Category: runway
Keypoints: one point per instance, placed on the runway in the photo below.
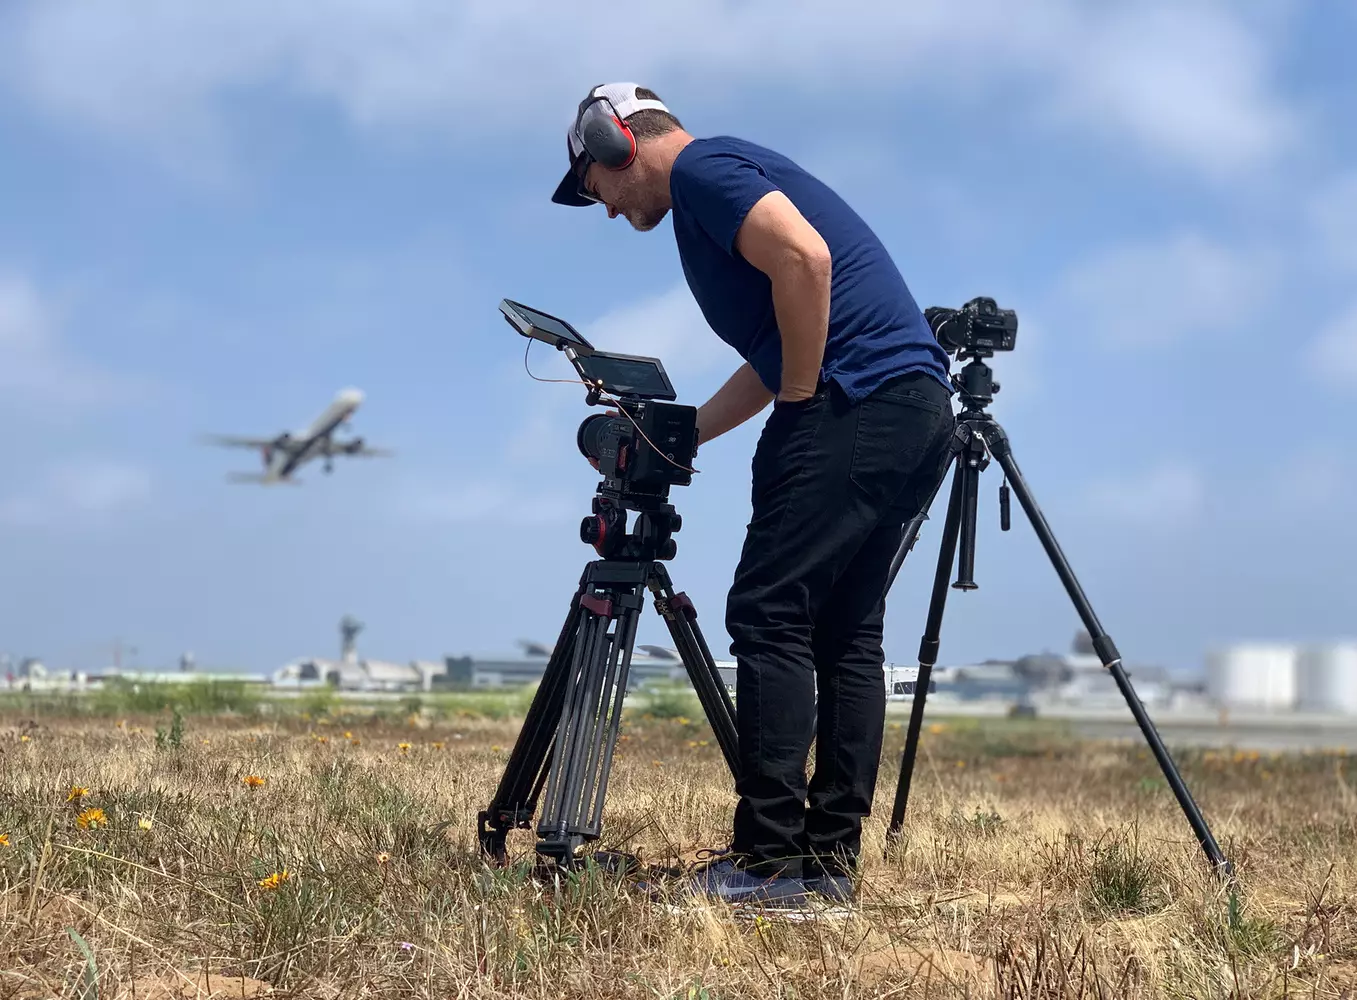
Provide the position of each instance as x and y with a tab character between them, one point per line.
1263	731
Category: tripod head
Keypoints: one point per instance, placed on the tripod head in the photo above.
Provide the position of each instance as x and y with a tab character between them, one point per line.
975	382
650	537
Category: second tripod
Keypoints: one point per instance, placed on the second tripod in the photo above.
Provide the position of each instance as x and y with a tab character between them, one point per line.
975	430
564	752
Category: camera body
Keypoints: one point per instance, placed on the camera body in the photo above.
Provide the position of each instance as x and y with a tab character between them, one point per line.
978	329
644	458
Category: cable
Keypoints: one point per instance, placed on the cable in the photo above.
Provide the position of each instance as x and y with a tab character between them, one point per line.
605	394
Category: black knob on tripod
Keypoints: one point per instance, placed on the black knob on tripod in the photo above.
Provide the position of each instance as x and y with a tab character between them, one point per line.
591	529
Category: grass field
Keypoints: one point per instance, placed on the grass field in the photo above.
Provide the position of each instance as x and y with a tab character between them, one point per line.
323	851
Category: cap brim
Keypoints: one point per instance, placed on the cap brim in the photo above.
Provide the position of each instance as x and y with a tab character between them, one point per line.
568	192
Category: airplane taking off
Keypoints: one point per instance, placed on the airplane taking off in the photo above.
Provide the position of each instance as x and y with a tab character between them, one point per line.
289	451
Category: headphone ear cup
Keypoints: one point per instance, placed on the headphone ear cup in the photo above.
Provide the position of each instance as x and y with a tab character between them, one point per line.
606	137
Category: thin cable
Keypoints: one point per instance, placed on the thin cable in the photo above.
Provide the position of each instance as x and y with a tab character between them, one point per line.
605	394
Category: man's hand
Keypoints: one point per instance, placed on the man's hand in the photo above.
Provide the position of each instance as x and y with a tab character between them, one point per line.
777	239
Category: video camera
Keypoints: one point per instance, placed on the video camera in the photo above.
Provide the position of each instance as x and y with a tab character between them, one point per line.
977	329
650	445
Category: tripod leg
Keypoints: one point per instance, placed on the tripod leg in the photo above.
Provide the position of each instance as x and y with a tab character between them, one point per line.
928	646
681	616
1105	648
515	799
910	534
591	708
584	684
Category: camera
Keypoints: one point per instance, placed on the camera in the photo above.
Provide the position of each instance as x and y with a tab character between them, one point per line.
650	445
978	329
647	452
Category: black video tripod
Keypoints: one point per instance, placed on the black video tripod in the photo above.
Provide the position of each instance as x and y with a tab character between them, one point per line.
975	429
570	731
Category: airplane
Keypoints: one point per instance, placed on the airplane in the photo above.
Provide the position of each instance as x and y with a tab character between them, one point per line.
289	451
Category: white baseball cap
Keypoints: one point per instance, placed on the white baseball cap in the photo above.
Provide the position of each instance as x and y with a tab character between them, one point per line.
617	100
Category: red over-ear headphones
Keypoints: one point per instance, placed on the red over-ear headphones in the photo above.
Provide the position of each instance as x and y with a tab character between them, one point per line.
604	136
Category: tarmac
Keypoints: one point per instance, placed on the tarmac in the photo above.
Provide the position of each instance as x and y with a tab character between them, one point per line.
1197	727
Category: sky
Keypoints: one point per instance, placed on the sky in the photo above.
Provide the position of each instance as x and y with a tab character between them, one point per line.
215	216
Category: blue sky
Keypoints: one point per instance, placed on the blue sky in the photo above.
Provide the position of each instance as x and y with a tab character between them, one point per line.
214	216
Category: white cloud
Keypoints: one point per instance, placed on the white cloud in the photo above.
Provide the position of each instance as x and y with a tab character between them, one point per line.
1186	81
37	372
1154	293
1333	354
1168	494
78	490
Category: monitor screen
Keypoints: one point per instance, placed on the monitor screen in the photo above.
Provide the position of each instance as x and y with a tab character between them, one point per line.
556	329
628	376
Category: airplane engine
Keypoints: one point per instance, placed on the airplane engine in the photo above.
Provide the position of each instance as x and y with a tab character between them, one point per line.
356	445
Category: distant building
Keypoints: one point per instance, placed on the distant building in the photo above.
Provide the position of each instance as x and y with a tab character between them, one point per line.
358	674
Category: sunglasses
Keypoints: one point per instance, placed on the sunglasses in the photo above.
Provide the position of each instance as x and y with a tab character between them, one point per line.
581	168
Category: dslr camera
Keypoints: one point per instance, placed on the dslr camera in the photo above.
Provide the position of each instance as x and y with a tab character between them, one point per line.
641	452
977	330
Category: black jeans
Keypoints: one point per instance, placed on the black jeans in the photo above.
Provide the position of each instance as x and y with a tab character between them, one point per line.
833	484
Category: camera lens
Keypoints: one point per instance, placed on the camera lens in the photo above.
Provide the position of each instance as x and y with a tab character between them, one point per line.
591	435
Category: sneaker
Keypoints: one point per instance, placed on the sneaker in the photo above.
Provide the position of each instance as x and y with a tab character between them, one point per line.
726	883
836	888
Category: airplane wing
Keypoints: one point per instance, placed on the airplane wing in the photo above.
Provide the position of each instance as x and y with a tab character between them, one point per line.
359	448
230	441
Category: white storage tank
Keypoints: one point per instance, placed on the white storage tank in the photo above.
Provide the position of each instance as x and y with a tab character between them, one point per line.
1253	675
1326	678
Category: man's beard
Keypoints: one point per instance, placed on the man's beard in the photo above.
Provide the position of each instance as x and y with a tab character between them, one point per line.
644	222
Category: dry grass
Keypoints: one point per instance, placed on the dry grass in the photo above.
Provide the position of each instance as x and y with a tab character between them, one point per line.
1033	866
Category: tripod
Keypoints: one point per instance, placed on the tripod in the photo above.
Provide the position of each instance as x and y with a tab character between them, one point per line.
570	731
975	429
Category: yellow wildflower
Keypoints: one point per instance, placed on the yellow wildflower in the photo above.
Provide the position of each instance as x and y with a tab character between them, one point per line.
77	792
144	823
4	840
91	818
275	880
404	747
252	781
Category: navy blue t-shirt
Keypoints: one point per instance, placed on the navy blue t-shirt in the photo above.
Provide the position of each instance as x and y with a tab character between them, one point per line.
876	329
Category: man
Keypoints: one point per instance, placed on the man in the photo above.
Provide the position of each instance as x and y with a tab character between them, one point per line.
857	440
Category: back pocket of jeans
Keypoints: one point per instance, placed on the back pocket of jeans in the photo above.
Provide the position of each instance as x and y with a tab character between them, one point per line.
895	432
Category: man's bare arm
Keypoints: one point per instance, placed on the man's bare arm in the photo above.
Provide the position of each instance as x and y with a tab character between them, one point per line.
777	239
740	398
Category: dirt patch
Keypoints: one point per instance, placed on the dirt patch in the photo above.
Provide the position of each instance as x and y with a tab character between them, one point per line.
192	986
904	964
